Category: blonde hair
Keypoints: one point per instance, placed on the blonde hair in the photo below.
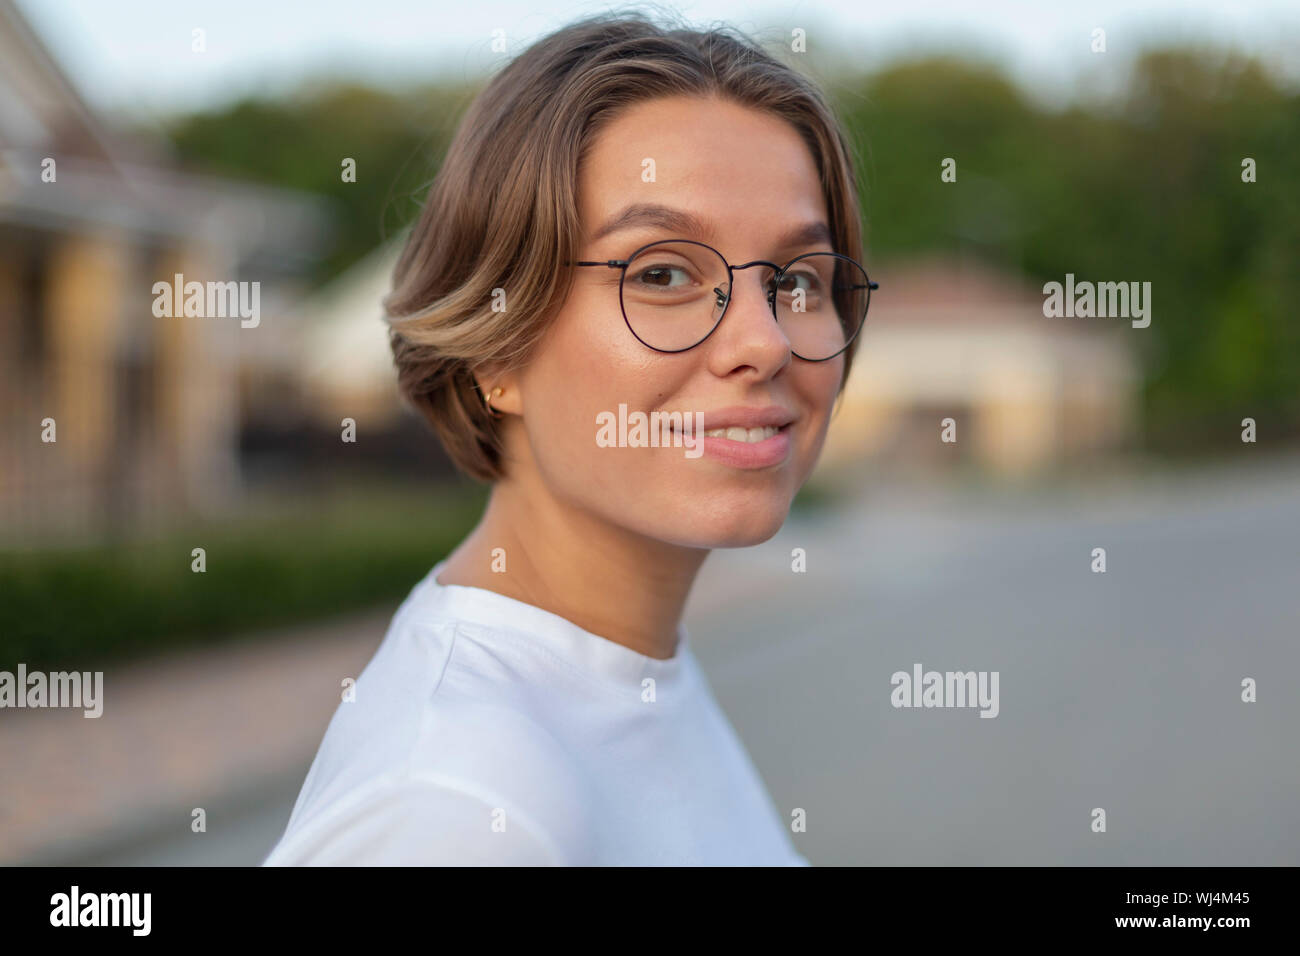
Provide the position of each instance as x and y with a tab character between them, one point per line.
502	210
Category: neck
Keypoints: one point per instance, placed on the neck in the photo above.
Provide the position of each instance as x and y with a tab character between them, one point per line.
604	578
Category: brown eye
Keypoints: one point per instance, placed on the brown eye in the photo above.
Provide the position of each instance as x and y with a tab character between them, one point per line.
663	276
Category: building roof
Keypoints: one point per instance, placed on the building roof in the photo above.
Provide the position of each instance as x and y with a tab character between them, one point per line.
107	180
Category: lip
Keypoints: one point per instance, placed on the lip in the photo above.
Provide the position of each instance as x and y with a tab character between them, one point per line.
748	416
748	455
743	454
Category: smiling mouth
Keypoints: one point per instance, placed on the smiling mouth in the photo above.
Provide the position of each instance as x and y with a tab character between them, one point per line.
748	436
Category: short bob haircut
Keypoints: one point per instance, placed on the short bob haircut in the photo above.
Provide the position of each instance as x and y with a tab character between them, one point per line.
502	212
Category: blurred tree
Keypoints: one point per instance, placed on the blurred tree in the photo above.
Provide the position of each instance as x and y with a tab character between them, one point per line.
397	141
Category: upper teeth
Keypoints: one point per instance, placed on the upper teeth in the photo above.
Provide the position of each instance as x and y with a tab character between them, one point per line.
742	434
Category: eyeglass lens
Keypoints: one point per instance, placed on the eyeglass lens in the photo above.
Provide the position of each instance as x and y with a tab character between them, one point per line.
674	294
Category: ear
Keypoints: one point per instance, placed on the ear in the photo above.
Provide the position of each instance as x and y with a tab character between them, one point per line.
490	377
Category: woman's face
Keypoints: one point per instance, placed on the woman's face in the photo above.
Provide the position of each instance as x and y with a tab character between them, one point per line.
749	177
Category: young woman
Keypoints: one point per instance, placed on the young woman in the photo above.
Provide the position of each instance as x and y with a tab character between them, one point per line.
632	219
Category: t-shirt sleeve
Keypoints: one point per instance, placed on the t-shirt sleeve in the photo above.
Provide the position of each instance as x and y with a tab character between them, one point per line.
418	823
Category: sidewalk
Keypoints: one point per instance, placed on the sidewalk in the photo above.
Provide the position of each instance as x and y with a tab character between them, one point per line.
188	730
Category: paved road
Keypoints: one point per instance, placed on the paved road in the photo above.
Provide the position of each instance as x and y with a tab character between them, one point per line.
1118	690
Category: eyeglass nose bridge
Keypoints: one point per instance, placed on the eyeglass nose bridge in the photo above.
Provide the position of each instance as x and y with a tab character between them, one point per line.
725	297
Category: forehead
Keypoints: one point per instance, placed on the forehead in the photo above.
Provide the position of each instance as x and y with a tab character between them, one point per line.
747	171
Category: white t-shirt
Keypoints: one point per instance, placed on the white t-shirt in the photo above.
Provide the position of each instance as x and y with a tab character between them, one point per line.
489	731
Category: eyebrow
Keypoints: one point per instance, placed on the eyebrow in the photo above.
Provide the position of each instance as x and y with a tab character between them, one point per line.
642	215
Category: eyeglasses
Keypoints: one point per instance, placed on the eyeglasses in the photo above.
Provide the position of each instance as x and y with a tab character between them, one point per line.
675	292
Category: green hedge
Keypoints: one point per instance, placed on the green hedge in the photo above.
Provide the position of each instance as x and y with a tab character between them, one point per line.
78	608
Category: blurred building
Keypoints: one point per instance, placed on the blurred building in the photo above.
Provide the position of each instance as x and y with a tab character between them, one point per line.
958	339
345	363
146	409
334	415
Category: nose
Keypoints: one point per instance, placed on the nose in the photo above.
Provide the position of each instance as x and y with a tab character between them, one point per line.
724	297
748	332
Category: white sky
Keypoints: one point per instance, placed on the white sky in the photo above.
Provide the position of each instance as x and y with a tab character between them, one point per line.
135	55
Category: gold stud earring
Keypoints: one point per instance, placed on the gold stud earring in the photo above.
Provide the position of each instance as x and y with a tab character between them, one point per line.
488	401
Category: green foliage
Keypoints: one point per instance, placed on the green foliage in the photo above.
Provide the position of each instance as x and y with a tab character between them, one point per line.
397	142
81	608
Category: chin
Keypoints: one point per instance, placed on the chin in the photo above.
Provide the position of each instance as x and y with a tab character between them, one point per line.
741	528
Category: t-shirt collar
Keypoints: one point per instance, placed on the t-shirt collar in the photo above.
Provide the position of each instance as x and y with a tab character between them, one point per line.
589	652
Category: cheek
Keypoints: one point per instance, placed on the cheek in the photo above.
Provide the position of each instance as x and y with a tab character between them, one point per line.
586	364
588	347
817	386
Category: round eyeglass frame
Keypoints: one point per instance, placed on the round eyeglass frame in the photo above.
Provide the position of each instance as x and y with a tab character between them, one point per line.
731	282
